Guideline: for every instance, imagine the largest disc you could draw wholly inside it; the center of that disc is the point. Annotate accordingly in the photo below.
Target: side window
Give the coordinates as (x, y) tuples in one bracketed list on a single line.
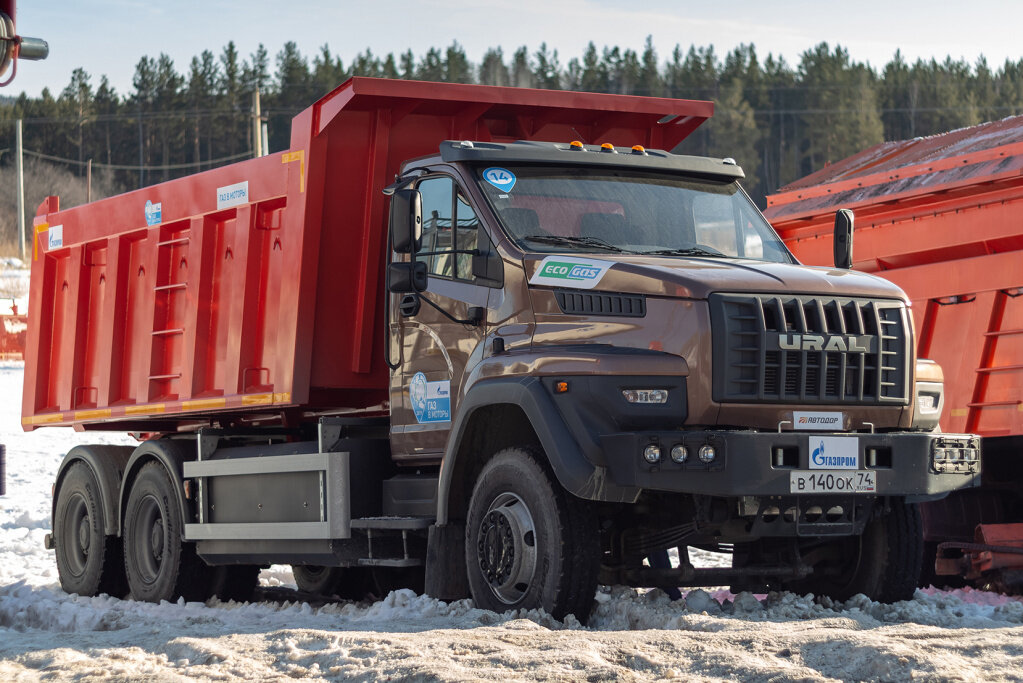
[(437, 232), (449, 223)]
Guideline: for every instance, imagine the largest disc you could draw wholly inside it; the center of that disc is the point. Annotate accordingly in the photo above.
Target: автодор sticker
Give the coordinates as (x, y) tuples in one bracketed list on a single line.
[(569, 271)]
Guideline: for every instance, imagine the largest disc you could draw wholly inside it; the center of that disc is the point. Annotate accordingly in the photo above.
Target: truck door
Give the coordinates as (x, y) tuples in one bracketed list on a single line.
[(434, 350)]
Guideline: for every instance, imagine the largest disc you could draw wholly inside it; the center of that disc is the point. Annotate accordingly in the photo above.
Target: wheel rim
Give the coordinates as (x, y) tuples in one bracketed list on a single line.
[(150, 540), (507, 547), (76, 534)]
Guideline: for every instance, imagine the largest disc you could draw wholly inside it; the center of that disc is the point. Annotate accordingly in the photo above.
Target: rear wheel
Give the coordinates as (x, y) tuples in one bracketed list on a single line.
[(883, 563), (88, 561), (348, 583), (529, 543), (159, 565), (233, 582)]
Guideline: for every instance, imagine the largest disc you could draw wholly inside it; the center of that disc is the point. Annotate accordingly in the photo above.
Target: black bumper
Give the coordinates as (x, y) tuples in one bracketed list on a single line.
[(919, 466)]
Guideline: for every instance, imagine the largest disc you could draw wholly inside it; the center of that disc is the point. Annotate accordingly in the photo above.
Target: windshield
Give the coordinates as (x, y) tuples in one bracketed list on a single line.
[(587, 210)]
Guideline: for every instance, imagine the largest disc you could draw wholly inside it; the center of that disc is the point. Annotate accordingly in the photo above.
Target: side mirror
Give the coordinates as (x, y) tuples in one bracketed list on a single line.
[(843, 238), (406, 221), (406, 278)]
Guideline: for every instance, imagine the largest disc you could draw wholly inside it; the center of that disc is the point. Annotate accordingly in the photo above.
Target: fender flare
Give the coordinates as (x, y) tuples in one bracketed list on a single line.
[(171, 454), (573, 470), (108, 466)]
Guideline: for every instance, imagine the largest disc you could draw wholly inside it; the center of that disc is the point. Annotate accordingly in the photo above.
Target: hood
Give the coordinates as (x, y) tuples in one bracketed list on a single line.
[(697, 278)]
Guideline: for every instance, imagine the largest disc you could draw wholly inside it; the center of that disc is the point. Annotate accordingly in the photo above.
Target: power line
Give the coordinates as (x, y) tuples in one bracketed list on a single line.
[(135, 167)]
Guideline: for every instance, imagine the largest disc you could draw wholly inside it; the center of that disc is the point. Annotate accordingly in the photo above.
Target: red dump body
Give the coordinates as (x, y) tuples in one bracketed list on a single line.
[(256, 288), (942, 217)]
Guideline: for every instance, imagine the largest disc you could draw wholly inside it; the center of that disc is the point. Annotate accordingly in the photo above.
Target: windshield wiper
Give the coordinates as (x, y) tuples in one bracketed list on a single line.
[(577, 241), (686, 251)]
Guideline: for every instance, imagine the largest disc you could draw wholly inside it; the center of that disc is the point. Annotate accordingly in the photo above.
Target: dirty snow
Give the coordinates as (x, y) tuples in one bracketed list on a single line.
[(45, 633)]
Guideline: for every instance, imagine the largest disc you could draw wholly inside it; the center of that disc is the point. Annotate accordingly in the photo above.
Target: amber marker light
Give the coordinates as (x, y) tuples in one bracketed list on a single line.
[(561, 387), (638, 149), (575, 144), (608, 147)]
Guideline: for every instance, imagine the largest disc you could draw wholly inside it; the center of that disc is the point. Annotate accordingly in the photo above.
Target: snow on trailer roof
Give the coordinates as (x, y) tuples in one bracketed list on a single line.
[(906, 168)]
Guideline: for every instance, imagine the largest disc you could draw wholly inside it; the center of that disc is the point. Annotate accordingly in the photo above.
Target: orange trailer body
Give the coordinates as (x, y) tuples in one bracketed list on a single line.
[(254, 290), (941, 217)]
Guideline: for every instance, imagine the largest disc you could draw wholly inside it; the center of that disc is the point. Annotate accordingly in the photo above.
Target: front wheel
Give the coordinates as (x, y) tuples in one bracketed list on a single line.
[(884, 563), (529, 543)]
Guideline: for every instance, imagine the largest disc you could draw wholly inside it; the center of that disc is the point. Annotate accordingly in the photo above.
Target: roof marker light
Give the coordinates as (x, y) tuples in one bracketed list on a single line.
[(575, 144), (608, 147), (638, 149)]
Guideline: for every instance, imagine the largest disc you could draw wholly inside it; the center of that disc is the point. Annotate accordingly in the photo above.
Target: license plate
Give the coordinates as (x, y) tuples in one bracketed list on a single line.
[(836, 481)]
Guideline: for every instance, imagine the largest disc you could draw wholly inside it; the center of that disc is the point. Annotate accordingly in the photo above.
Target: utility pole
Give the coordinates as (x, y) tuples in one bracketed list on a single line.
[(257, 128), (20, 167)]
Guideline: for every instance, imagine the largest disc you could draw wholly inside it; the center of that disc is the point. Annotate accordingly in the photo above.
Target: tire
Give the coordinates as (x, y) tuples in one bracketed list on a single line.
[(529, 543), (233, 582), (159, 565), (88, 561), (348, 583), (884, 563)]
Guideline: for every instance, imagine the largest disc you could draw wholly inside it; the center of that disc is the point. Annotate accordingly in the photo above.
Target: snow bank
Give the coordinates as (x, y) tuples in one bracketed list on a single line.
[(709, 635)]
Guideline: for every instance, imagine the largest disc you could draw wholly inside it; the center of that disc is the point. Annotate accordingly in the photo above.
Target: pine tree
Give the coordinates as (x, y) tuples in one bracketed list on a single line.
[(492, 69)]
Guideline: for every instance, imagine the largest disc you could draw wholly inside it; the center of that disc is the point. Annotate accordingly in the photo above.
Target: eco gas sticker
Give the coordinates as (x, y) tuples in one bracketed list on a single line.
[(568, 271), (834, 453), (55, 237), (154, 212), (501, 178), (233, 195), (818, 421), (431, 401)]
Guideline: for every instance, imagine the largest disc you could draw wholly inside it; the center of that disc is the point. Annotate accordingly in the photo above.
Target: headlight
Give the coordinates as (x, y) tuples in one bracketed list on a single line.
[(930, 395), (707, 454), (645, 395), (679, 453)]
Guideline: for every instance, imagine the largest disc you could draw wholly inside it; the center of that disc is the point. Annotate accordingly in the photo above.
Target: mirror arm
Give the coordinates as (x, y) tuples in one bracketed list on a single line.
[(475, 313), (474, 252)]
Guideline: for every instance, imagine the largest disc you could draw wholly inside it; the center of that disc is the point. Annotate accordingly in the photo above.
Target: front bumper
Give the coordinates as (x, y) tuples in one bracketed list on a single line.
[(916, 465)]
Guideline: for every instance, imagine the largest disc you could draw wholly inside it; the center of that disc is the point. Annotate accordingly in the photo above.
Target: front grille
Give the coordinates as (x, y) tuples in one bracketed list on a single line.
[(809, 349), (600, 303)]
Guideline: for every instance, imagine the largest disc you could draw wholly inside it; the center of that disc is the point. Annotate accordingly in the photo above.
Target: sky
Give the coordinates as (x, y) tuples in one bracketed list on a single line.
[(110, 36)]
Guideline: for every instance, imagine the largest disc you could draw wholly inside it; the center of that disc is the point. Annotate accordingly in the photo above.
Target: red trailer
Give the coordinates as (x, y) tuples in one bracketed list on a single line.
[(942, 217)]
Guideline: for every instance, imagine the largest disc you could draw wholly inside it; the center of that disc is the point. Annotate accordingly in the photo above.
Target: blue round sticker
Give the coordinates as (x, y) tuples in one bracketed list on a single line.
[(501, 178)]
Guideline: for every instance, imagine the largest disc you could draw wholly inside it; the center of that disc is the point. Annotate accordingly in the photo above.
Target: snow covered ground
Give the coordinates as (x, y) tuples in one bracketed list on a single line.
[(45, 633)]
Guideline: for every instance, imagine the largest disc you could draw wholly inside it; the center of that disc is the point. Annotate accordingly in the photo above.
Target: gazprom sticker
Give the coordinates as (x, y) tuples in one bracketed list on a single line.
[(154, 212), (568, 271), (233, 195), (55, 237), (501, 178), (834, 453), (431, 401)]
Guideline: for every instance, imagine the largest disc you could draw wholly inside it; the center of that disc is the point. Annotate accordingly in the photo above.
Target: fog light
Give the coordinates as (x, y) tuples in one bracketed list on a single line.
[(679, 453), (652, 453), (645, 395), (707, 454)]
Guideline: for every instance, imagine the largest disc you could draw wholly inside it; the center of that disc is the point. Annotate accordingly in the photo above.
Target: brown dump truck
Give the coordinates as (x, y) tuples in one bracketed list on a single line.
[(478, 341)]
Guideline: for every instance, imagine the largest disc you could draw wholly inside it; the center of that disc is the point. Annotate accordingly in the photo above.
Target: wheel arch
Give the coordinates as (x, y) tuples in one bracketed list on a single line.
[(515, 411), (171, 454), (108, 464)]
